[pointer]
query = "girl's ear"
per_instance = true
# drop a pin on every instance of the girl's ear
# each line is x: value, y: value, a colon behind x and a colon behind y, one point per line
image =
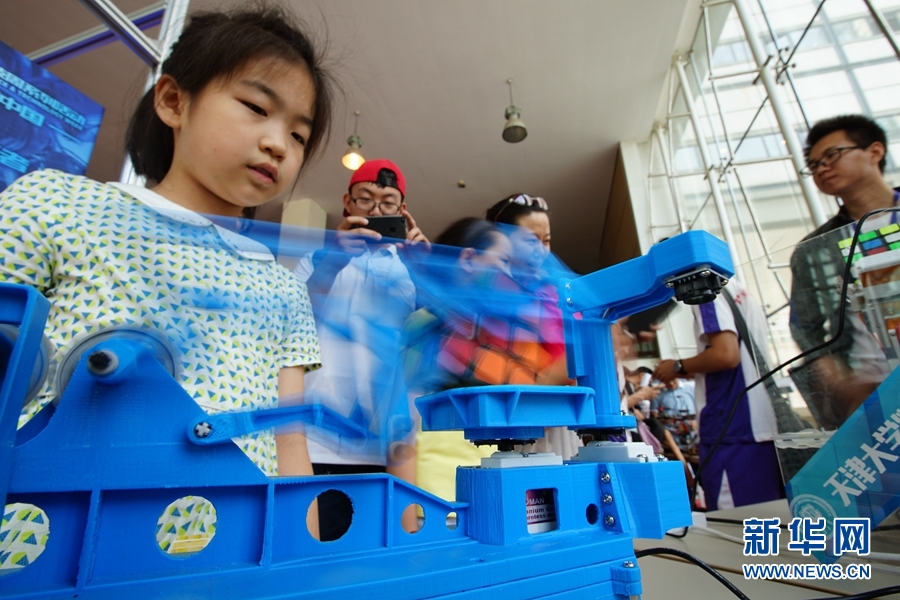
x: 170, y: 101
x: 465, y: 260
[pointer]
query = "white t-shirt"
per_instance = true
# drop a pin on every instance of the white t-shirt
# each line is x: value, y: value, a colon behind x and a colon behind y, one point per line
x: 360, y: 326
x: 715, y: 392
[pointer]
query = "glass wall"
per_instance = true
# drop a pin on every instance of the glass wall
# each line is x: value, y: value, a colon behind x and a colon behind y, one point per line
x: 828, y: 57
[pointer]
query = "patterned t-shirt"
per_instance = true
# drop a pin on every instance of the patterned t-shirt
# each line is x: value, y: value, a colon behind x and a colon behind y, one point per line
x: 110, y: 254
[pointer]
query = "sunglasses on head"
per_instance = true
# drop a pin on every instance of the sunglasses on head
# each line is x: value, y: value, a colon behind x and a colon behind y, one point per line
x: 523, y: 200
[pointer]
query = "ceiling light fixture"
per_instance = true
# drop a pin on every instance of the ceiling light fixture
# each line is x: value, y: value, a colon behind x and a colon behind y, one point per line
x: 352, y: 158
x: 514, y: 130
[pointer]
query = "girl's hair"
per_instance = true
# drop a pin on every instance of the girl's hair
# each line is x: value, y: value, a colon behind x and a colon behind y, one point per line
x: 470, y: 232
x: 219, y: 44
x: 509, y: 212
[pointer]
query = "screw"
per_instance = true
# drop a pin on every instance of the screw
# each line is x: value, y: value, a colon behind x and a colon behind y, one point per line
x: 569, y: 301
x: 102, y: 362
x: 607, y: 499
x: 705, y: 274
x: 670, y: 284
x: 643, y: 458
x: 661, y: 458
x: 568, y: 286
x: 609, y: 520
x: 202, y: 429
x: 628, y: 564
x: 604, y: 477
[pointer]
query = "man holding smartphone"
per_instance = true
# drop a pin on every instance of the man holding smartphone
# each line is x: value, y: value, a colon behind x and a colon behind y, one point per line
x: 362, y: 294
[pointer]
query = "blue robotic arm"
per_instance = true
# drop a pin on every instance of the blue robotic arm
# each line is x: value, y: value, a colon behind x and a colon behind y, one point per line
x: 692, y: 266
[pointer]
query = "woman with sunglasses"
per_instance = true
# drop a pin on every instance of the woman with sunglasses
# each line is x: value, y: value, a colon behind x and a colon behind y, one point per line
x: 528, y: 226
x: 526, y: 220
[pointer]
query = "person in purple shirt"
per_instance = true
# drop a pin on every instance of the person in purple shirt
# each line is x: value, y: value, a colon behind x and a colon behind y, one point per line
x: 744, y: 468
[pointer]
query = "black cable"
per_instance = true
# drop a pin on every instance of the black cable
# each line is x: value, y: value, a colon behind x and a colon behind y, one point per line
x: 678, y: 536
x: 837, y: 334
x: 735, y: 521
x: 688, y: 557
x: 885, y: 591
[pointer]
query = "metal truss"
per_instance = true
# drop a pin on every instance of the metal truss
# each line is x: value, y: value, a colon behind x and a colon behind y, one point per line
x: 721, y: 172
x: 170, y: 15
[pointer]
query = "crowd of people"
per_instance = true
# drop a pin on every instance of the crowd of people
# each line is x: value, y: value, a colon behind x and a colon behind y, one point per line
x: 366, y: 324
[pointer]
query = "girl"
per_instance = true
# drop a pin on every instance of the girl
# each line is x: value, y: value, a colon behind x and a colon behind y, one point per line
x: 242, y: 102
x: 472, y: 251
x: 527, y: 222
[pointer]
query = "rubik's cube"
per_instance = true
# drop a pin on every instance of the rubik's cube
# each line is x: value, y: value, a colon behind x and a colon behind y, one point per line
x: 872, y: 242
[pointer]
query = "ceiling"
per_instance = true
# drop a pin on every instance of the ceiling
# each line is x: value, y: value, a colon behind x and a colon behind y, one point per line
x: 429, y: 78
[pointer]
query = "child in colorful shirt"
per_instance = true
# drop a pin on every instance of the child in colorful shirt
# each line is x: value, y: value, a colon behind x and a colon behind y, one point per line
x: 240, y: 104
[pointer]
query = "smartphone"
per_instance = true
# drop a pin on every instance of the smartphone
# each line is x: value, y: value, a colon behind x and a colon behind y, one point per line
x: 393, y: 226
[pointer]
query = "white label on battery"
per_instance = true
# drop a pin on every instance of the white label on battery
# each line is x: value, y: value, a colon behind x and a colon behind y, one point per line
x: 540, y: 510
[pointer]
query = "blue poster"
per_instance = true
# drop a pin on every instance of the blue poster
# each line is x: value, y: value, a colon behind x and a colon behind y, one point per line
x: 856, y: 474
x: 44, y: 122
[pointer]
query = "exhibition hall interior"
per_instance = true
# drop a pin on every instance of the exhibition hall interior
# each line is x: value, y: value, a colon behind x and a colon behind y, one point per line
x: 281, y: 314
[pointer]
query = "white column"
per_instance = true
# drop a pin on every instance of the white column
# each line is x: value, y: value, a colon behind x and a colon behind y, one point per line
x: 711, y: 173
x: 673, y: 189
x: 169, y: 31
x: 766, y: 74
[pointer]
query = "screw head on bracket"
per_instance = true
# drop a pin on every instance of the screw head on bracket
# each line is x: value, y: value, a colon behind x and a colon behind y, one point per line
x: 202, y: 429
x: 604, y: 477
x: 609, y: 520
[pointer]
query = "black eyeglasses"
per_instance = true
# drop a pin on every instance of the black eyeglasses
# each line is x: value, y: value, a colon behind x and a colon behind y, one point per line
x: 828, y: 159
x: 368, y: 205
x: 523, y: 200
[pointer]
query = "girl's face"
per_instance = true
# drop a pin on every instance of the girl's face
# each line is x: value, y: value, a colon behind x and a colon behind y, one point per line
x: 496, y: 257
x: 531, y: 242
x: 239, y: 142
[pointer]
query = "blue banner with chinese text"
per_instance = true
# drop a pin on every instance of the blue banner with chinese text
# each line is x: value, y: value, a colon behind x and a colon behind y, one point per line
x: 857, y: 472
x: 44, y: 122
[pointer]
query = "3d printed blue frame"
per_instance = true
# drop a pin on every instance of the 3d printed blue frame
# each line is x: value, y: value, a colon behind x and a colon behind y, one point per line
x: 118, y: 450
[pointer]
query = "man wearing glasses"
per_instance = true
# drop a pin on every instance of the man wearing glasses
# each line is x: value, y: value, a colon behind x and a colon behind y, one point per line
x: 845, y: 158
x: 362, y: 294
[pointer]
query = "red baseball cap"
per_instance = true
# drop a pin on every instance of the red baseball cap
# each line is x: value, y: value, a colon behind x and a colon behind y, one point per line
x: 382, y: 172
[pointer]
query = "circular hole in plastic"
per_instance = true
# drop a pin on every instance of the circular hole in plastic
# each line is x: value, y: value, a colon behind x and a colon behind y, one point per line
x: 335, y: 515
x: 452, y: 521
x: 24, y: 531
x: 592, y: 513
x: 413, y: 518
x: 42, y: 362
x: 186, y: 526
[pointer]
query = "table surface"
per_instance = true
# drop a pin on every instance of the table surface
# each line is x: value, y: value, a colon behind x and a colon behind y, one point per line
x: 667, y: 577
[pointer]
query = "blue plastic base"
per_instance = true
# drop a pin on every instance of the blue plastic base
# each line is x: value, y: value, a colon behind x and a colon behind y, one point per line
x: 116, y: 454
x: 112, y: 457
